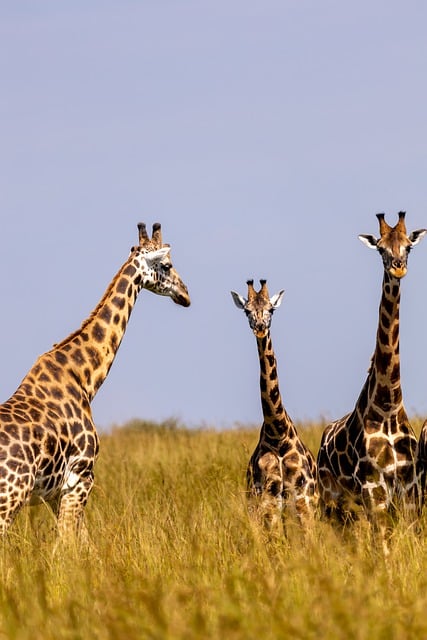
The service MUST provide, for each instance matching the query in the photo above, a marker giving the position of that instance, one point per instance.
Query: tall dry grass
(174, 555)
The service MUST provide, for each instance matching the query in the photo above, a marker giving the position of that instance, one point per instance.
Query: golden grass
(174, 556)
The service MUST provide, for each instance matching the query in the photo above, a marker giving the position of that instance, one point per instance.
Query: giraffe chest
(389, 449)
(371, 449)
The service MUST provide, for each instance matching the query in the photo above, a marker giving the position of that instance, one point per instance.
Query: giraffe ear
(369, 241)
(416, 236)
(276, 300)
(156, 256)
(239, 300)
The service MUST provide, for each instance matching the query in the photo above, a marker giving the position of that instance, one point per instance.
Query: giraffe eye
(167, 267)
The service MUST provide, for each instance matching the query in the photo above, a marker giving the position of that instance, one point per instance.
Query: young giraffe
(281, 471)
(48, 441)
(368, 457)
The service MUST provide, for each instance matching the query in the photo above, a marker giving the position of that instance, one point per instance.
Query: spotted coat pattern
(48, 441)
(368, 457)
(281, 471)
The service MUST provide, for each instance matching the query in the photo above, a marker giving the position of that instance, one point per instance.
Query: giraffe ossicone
(281, 472)
(367, 459)
(48, 440)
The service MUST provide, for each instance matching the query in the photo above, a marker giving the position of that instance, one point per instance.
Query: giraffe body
(281, 471)
(48, 440)
(368, 458)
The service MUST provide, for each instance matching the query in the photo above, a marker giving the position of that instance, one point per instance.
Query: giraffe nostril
(260, 329)
(398, 268)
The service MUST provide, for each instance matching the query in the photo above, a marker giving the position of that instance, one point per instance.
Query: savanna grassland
(174, 555)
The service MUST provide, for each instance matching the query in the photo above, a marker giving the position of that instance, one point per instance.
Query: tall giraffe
(368, 457)
(281, 471)
(48, 441)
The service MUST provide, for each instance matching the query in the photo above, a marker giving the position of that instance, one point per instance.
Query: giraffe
(281, 471)
(368, 458)
(48, 440)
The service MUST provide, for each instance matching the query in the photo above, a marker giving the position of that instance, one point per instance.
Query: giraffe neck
(277, 424)
(88, 353)
(382, 393)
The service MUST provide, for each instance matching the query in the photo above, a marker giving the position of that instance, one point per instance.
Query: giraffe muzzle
(398, 269)
(181, 298)
(260, 332)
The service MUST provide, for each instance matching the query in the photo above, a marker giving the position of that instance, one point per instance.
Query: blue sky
(264, 136)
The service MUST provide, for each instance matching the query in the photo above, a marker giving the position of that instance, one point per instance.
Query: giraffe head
(152, 258)
(394, 244)
(258, 307)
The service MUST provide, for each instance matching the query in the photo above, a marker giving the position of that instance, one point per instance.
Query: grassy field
(174, 555)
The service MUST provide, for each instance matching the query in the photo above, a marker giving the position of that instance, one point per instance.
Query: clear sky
(264, 136)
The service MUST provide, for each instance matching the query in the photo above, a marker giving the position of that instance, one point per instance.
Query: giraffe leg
(381, 527)
(264, 489)
(421, 481)
(8, 514)
(410, 491)
(305, 508)
(265, 508)
(378, 508)
(71, 505)
(14, 494)
(410, 504)
(333, 505)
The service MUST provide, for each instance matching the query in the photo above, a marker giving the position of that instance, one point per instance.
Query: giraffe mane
(85, 322)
